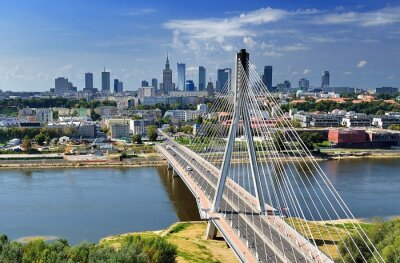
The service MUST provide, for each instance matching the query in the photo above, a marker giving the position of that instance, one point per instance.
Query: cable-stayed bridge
(257, 183)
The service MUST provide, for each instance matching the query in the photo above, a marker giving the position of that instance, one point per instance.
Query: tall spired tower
(167, 84)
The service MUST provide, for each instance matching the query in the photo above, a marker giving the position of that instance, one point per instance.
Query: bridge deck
(253, 236)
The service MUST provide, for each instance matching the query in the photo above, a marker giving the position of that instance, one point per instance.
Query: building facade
(325, 79)
(202, 78)
(181, 76)
(139, 127)
(61, 85)
(267, 77)
(105, 81)
(89, 81)
(189, 85)
(167, 84)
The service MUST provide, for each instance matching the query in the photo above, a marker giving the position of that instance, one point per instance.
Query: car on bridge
(189, 168)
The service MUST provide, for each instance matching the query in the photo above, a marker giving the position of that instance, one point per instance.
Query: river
(87, 204)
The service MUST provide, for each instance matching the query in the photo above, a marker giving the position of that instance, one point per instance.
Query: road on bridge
(268, 237)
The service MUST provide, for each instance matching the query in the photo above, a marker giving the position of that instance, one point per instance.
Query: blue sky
(357, 41)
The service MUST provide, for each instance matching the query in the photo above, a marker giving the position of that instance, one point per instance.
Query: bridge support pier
(174, 173)
(169, 166)
(211, 232)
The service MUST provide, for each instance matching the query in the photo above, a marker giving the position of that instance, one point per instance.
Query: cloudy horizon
(357, 43)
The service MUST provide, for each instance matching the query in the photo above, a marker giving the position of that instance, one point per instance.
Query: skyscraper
(105, 81)
(210, 88)
(325, 79)
(304, 84)
(267, 77)
(61, 85)
(145, 83)
(120, 87)
(154, 83)
(116, 82)
(167, 84)
(202, 78)
(222, 78)
(181, 76)
(89, 80)
(189, 85)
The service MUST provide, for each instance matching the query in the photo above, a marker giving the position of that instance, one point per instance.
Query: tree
(199, 119)
(40, 138)
(170, 129)
(26, 143)
(394, 127)
(187, 129)
(137, 117)
(95, 116)
(384, 235)
(296, 123)
(278, 140)
(55, 115)
(309, 138)
(137, 139)
(152, 132)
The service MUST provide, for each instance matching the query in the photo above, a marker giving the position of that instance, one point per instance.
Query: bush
(384, 235)
(133, 249)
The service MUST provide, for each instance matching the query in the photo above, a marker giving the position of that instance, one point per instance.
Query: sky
(357, 41)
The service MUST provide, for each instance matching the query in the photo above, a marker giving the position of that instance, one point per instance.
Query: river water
(87, 204)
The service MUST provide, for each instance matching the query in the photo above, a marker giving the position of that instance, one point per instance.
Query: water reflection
(181, 198)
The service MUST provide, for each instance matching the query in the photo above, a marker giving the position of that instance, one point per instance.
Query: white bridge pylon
(240, 113)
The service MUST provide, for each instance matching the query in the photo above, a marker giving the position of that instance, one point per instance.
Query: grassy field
(326, 234)
(190, 241)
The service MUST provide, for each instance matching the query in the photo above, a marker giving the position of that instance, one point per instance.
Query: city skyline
(354, 42)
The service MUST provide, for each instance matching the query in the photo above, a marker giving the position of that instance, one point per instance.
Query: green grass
(179, 227)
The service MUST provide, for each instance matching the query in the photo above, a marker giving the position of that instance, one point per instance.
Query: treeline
(48, 133)
(53, 102)
(377, 107)
(384, 235)
(133, 249)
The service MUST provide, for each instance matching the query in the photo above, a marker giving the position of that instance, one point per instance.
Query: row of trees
(53, 102)
(151, 134)
(133, 249)
(40, 135)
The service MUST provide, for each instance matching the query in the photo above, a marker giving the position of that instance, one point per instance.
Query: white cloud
(141, 11)
(176, 42)
(219, 29)
(307, 71)
(228, 48)
(361, 64)
(294, 47)
(272, 54)
(265, 45)
(192, 69)
(384, 16)
(249, 42)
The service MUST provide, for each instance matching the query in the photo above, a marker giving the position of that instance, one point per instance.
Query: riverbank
(342, 153)
(21, 161)
(193, 247)
(190, 242)
(62, 163)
